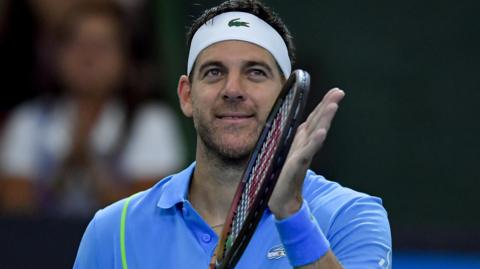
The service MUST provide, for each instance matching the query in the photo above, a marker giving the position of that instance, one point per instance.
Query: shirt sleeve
(100, 244)
(87, 252)
(360, 235)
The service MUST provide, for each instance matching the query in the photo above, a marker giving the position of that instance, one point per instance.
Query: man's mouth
(234, 117)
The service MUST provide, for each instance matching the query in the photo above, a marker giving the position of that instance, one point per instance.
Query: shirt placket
(204, 235)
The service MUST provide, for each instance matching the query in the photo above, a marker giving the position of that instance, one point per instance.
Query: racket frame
(300, 80)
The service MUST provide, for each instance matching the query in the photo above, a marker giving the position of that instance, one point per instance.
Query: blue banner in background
(435, 260)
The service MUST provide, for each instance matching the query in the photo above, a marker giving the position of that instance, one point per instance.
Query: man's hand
(287, 195)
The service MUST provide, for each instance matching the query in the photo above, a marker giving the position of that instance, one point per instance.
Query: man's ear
(184, 95)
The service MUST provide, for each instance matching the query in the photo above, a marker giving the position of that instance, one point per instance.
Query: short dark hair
(254, 7)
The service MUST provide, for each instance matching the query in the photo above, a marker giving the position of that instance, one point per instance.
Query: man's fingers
(327, 116)
(318, 108)
(311, 134)
(334, 96)
(319, 134)
(315, 143)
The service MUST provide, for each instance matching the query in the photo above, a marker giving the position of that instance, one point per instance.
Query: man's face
(233, 88)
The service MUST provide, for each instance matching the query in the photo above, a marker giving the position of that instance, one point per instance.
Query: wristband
(302, 238)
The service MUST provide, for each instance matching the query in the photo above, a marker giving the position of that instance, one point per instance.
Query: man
(240, 55)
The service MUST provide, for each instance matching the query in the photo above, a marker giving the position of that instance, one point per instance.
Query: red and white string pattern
(259, 170)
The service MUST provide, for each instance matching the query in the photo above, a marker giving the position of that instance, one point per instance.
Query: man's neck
(213, 186)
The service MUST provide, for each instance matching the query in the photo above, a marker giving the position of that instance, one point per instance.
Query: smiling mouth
(234, 118)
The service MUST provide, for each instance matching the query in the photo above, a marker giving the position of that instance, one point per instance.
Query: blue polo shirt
(163, 230)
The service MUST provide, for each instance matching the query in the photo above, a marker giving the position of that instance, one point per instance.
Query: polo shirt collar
(176, 189)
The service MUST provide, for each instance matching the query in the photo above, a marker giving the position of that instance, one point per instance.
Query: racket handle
(212, 262)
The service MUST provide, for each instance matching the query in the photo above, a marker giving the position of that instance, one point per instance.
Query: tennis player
(240, 55)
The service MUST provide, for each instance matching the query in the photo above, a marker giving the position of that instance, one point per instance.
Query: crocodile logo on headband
(237, 23)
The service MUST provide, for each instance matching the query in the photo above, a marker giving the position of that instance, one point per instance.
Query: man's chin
(235, 153)
(229, 148)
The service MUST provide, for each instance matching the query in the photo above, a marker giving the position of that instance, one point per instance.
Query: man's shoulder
(110, 216)
(102, 239)
(330, 201)
(355, 223)
(317, 186)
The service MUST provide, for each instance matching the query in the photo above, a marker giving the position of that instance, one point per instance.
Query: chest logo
(276, 253)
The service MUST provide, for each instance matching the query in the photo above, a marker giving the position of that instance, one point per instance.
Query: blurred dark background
(406, 132)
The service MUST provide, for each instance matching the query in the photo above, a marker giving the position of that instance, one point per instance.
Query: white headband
(240, 26)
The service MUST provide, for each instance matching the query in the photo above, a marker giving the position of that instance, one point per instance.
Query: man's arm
(305, 243)
(327, 261)
(358, 233)
(361, 238)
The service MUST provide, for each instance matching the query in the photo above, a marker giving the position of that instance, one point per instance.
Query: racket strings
(259, 170)
(270, 146)
(252, 184)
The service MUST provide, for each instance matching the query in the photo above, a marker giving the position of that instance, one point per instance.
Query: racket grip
(213, 262)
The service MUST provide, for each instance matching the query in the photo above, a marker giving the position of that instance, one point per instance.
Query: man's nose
(233, 90)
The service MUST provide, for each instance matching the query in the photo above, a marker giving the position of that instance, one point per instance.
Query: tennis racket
(263, 168)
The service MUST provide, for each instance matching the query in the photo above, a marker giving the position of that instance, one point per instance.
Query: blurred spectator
(28, 37)
(92, 142)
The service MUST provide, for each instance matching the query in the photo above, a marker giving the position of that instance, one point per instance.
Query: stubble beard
(219, 146)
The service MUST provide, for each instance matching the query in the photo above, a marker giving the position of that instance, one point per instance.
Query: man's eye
(257, 74)
(212, 73)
